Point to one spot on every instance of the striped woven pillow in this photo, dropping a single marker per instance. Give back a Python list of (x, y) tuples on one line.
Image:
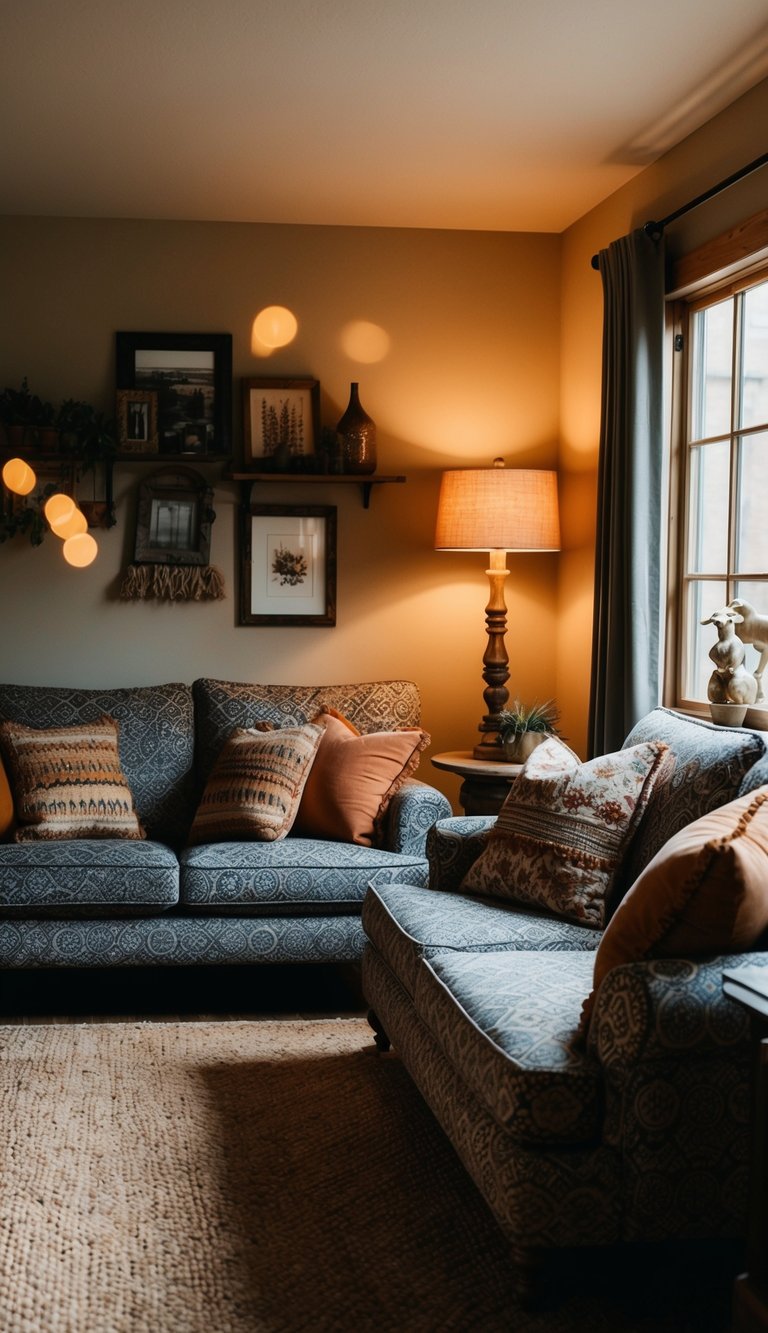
[(68, 782), (256, 784)]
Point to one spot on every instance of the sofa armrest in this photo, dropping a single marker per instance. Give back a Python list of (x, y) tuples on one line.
[(412, 812), (452, 847)]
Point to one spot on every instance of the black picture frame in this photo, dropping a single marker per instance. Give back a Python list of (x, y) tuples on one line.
[(173, 518), (193, 387), (281, 422), (288, 565)]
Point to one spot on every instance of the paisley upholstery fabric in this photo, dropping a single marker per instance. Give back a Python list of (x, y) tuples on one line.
[(408, 923), (296, 875), (172, 940), (710, 765), (222, 705), (452, 846), (756, 777), (84, 877), (508, 1024), (412, 812), (156, 742)]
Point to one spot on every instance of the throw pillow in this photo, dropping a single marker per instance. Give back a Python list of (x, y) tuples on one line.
[(705, 892), (564, 827), (255, 787), (354, 778), (68, 782), (6, 806)]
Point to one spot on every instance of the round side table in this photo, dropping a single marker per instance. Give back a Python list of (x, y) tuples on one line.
[(486, 782)]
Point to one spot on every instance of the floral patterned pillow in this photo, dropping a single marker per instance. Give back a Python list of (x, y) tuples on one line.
[(562, 832)]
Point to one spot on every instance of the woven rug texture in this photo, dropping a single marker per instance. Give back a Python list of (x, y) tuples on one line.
[(252, 1177)]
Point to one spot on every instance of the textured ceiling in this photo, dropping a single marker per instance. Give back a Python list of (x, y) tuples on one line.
[(499, 114)]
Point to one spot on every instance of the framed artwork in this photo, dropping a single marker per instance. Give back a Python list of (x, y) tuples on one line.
[(281, 422), (137, 421), (288, 571), (191, 376), (173, 520)]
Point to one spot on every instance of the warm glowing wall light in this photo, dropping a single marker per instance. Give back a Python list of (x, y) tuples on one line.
[(275, 326), (72, 526), (80, 550), (59, 508), (18, 476), (365, 342)]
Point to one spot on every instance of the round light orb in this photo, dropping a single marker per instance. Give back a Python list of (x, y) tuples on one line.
[(80, 550), (18, 476), (274, 326), (59, 508), (70, 525), (365, 342)]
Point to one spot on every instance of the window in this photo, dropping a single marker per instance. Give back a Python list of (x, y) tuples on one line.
[(723, 548)]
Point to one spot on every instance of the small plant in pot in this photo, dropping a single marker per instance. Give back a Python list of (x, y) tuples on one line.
[(524, 726)]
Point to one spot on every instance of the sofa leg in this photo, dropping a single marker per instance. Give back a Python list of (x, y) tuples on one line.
[(379, 1035), (528, 1263)]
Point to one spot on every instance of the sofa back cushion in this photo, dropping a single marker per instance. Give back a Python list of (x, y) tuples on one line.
[(156, 741), (221, 705), (710, 765)]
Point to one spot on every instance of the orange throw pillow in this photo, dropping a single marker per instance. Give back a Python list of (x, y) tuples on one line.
[(353, 780), (705, 892), (7, 819)]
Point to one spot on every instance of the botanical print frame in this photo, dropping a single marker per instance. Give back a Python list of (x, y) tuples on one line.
[(191, 373), (173, 519), (288, 568), (137, 421), (281, 421)]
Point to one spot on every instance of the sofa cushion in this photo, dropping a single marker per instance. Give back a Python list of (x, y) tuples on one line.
[(7, 817), (564, 827), (756, 777), (68, 782), (406, 923), (222, 705), (255, 785), (353, 779), (305, 876), (156, 741), (97, 877), (704, 893), (508, 1025), (711, 762)]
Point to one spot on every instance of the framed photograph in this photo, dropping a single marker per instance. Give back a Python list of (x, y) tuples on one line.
[(191, 376), (174, 516), (137, 421), (281, 421), (288, 572)]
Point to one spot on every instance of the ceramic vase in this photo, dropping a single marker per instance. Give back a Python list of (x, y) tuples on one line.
[(357, 436)]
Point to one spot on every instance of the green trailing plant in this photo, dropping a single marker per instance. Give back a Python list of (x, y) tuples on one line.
[(514, 722)]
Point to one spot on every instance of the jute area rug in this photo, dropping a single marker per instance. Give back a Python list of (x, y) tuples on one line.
[(250, 1177)]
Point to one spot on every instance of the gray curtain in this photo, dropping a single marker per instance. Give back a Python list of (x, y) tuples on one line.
[(627, 631)]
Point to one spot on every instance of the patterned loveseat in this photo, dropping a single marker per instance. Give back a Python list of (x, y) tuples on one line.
[(117, 902), (639, 1131)]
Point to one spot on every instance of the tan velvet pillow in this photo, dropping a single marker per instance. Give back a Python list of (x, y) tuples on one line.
[(705, 892), (353, 780), (68, 782), (255, 785), (7, 817)]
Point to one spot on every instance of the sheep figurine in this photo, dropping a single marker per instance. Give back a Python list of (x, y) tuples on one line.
[(730, 681), (753, 628)]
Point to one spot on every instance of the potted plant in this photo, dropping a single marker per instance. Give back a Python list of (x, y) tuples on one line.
[(522, 727), (22, 414)]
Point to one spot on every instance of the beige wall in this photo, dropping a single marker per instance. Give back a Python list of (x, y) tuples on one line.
[(473, 371), (727, 143)]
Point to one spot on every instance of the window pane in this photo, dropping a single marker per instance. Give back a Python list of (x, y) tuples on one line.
[(754, 384), (708, 509), (752, 520), (712, 363), (756, 593), (701, 600)]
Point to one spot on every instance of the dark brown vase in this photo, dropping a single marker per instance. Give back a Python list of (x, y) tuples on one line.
[(357, 436)]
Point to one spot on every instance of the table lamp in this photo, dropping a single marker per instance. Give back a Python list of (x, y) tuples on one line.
[(496, 509)]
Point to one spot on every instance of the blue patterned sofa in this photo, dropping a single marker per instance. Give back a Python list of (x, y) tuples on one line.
[(116, 902), (639, 1133)]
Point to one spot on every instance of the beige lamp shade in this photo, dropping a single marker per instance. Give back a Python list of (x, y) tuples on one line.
[(498, 508)]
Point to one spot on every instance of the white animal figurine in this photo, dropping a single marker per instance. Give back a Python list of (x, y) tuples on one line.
[(730, 681), (753, 628)]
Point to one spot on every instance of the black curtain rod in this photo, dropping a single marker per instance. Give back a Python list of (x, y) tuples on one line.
[(656, 229)]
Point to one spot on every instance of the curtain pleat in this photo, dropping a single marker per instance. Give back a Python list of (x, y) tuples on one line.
[(627, 627)]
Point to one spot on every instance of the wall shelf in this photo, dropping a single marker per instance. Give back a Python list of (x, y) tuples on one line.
[(317, 478)]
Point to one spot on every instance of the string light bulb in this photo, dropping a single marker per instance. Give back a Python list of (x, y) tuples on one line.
[(59, 508), (80, 550), (19, 477), (72, 525)]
